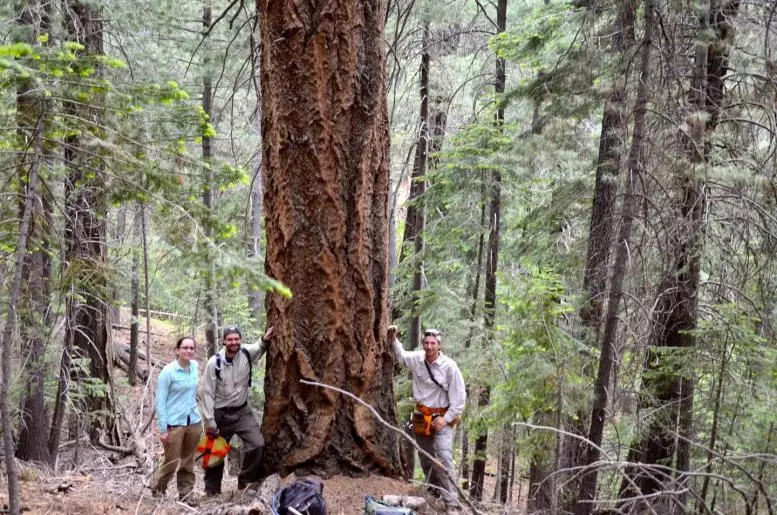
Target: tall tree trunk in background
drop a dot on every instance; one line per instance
(612, 144)
(606, 359)
(492, 256)
(88, 320)
(326, 165)
(33, 309)
(9, 328)
(667, 385)
(211, 310)
(132, 373)
(256, 295)
(118, 238)
(415, 220)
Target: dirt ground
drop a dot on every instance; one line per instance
(103, 487)
(104, 484)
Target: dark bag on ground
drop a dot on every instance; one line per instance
(373, 506)
(306, 496)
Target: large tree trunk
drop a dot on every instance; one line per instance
(325, 154)
(606, 358)
(88, 321)
(36, 269)
(667, 389)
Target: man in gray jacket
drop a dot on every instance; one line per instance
(440, 396)
(224, 405)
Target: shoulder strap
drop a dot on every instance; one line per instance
(431, 376)
(250, 365)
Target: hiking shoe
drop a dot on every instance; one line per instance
(157, 494)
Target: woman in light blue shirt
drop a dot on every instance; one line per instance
(178, 420)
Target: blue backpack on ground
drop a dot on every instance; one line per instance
(304, 496)
(373, 506)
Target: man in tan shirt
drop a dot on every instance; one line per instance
(224, 405)
(440, 396)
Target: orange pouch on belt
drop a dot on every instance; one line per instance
(421, 419)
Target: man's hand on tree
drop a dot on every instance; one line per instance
(268, 335)
(392, 333)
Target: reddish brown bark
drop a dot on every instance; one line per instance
(326, 173)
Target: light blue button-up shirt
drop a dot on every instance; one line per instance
(176, 396)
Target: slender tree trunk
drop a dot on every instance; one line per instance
(506, 457)
(211, 309)
(325, 154)
(472, 316)
(492, 257)
(85, 234)
(33, 310)
(606, 357)
(256, 295)
(612, 143)
(667, 391)
(11, 323)
(132, 373)
(477, 481)
(702, 501)
(415, 221)
(118, 239)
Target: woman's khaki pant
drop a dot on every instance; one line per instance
(179, 456)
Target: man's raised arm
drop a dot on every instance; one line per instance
(400, 354)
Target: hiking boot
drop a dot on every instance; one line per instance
(211, 493)
(157, 494)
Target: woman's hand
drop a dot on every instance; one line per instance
(163, 437)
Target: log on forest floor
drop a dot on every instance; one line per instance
(121, 358)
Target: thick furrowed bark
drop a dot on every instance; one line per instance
(325, 155)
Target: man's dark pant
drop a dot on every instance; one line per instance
(238, 421)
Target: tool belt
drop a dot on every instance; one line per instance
(423, 416)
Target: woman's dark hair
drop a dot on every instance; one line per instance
(182, 338)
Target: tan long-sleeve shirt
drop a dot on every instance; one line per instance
(453, 395)
(232, 389)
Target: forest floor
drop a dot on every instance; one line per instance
(102, 482)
